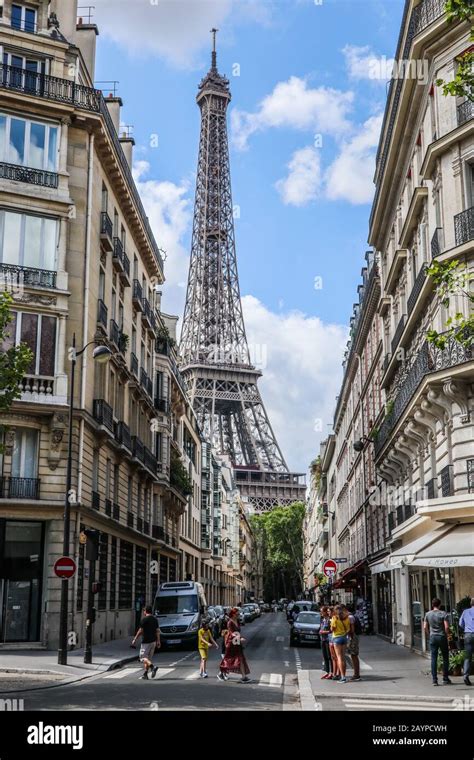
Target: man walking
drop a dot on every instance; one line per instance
(466, 624)
(150, 632)
(437, 627)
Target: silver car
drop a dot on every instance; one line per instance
(305, 629)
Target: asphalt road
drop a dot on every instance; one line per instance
(276, 673)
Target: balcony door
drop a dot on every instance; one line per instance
(24, 468)
(23, 73)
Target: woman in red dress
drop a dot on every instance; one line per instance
(234, 659)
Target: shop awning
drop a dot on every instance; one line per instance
(447, 546)
(380, 567)
(354, 570)
(453, 549)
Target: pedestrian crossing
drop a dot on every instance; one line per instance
(270, 680)
(356, 703)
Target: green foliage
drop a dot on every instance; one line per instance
(280, 531)
(14, 362)
(462, 86)
(462, 605)
(123, 343)
(450, 280)
(179, 477)
(389, 408)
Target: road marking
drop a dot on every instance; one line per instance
(280, 638)
(193, 676)
(297, 659)
(392, 704)
(271, 679)
(123, 673)
(291, 699)
(286, 663)
(305, 689)
(163, 672)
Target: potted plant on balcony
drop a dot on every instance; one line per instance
(123, 342)
(179, 477)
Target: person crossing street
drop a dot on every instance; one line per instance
(149, 630)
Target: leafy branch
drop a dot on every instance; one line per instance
(450, 280)
(462, 85)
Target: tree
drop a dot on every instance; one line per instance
(463, 83)
(14, 361)
(452, 280)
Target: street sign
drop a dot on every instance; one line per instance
(64, 567)
(340, 560)
(329, 568)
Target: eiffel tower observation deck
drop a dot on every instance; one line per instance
(214, 353)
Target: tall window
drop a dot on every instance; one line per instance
(105, 198)
(25, 453)
(28, 143)
(27, 240)
(38, 331)
(23, 18)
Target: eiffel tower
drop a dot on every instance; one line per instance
(214, 353)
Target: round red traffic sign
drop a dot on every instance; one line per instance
(64, 567)
(330, 568)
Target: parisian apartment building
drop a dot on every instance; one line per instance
(83, 266)
(398, 506)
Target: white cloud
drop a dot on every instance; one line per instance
(350, 176)
(304, 178)
(293, 104)
(363, 63)
(169, 209)
(304, 358)
(175, 30)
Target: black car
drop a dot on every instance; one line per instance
(305, 629)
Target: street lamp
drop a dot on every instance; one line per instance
(360, 444)
(101, 354)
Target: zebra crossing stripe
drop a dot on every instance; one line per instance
(123, 673)
(392, 704)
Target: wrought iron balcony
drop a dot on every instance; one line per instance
(106, 231)
(137, 295)
(115, 333)
(102, 312)
(138, 449)
(146, 527)
(447, 485)
(430, 359)
(122, 435)
(28, 174)
(391, 522)
(95, 500)
(161, 404)
(386, 362)
(140, 524)
(116, 512)
(146, 314)
(134, 364)
(416, 290)
(18, 276)
(432, 488)
(19, 488)
(103, 414)
(465, 112)
(117, 255)
(162, 346)
(437, 243)
(464, 226)
(398, 333)
(158, 532)
(108, 507)
(124, 275)
(149, 460)
(36, 384)
(130, 519)
(146, 382)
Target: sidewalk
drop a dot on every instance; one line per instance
(389, 671)
(107, 656)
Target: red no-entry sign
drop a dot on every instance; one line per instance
(64, 567)
(329, 568)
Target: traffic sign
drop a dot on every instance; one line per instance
(65, 567)
(329, 568)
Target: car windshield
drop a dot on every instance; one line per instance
(176, 605)
(309, 617)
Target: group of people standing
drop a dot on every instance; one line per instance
(339, 631)
(233, 659)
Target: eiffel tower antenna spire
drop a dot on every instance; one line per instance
(214, 353)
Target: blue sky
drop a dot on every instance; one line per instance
(303, 127)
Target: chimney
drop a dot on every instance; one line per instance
(66, 11)
(86, 38)
(114, 104)
(127, 145)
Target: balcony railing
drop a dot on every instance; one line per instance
(28, 174)
(19, 488)
(146, 315)
(122, 435)
(416, 290)
(137, 295)
(108, 508)
(464, 226)
(398, 333)
(146, 527)
(465, 112)
(125, 274)
(149, 460)
(430, 359)
(117, 255)
(95, 500)
(18, 276)
(103, 414)
(158, 532)
(146, 382)
(432, 488)
(36, 384)
(130, 521)
(140, 524)
(447, 485)
(437, 244)
(114, 333)
(134, 364)
(391, 522)
(162, 346)
(102, 312)
(138, 449)
(116, 512)
(161, 405)
(106, 230)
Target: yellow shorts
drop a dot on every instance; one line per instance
(204, 654)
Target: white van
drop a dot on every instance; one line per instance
(180, 607)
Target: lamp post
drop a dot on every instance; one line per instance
(101, 354)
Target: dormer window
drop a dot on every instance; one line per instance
(23, 18)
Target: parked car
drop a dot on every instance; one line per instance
(305, 629)
(219, 609)
(257, 609)
(214, 624)
(267, 607)
(251, 610)
(249, 613)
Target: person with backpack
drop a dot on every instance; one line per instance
(353, 644)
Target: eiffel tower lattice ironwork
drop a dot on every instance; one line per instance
(214, 353)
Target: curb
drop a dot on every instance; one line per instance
(377, 697)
